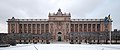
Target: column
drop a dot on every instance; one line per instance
(74, 27)
(87, 27)
(49, 27)
(91, 27)
(82, 27)
(36, 28)
(78, 27)
(22, 28)
(40, 28)
(96, 27)
(31, 28)
(27, 28)
(103, 27)
(44, 28)
(69, 27)
(14, 27)
(100, 27)
(65, 28)
(17, 28)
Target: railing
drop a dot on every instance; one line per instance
(65, 14)
(48, 19)
(27, 19)
(87, 19)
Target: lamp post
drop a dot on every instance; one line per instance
(108, 21)
(110, 29)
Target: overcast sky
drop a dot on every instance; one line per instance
(39, 9)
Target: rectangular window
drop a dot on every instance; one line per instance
(80, 27)
(85, 27)
(42, 28)
(98, 27)
(93, 29)
(20, 28)
(12, 28)
(38, 28)
(72, 27)
(25, 28)
(76, 27)
(33, 28)
(89, 27)
(29, 28)
(47, 28)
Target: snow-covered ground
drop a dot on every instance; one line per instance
(62, 47)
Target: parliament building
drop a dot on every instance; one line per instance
(60, 26)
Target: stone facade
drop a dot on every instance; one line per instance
(59, 25)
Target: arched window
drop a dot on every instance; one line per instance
(59, 33)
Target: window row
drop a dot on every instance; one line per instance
(85, 27)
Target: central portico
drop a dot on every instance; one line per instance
(59, 24)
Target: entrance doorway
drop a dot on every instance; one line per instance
(59, 36)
